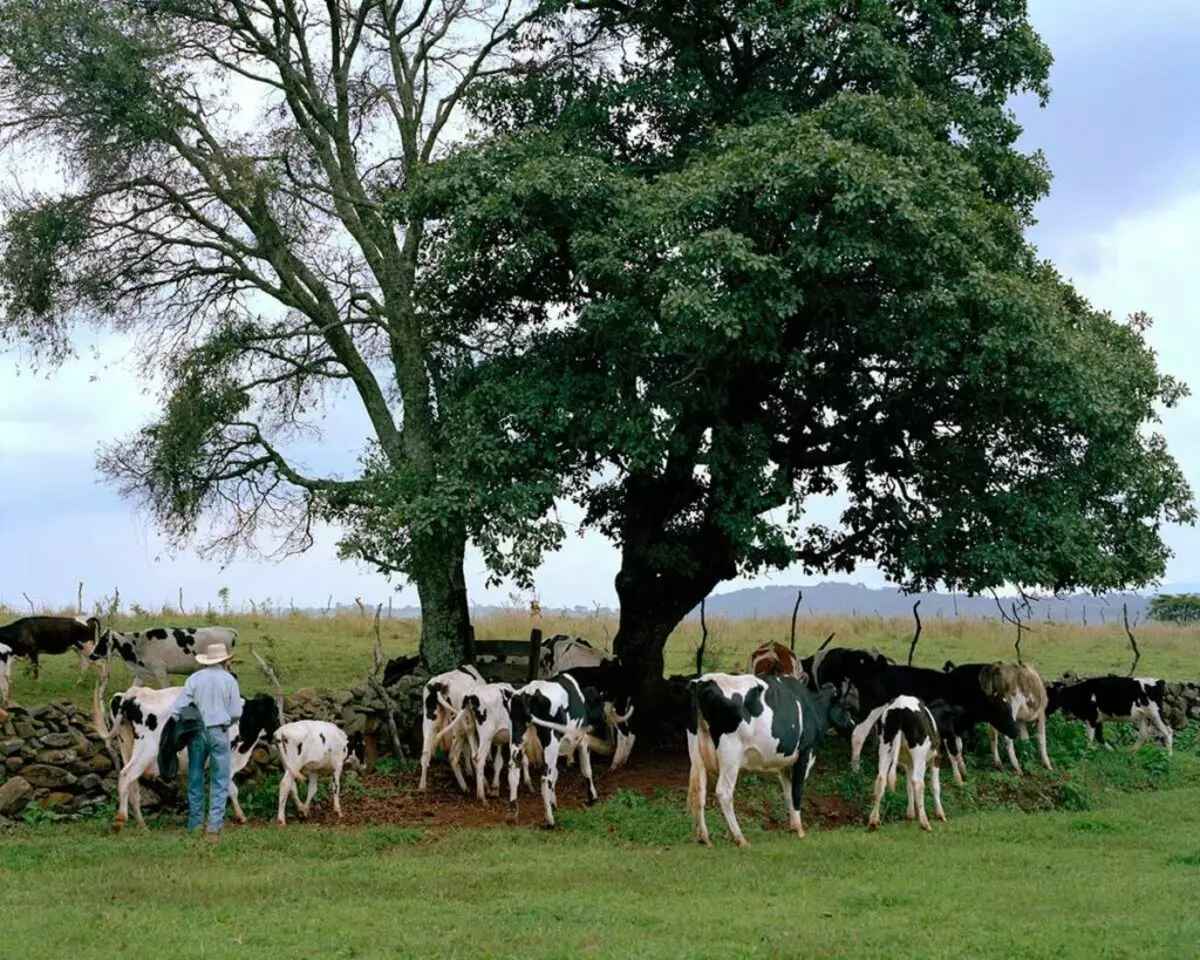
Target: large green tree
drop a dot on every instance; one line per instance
(777, 251)
(224, 165)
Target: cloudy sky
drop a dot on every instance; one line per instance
(1121, 133)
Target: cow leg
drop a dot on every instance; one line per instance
(935, 782)
(785, 781)
(1041, 740)
(233, 801)
(125, 784)
(727, 776)
(1100, 736)
(497, 766)
(286, 785)
(549, 776)
(885, 766)
(697, 789)
(37, 667)
(337, 789)
(312, 792)
(83, 662)
(804, 763)
(1011, 745)
(516, 755)
(480, 773)
(994, 743)
(457, 749)
(427, 734)
(135, 796)
(585, 767)
(916, 783)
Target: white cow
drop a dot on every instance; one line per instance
(138, 716)
(442, 700)
(306, 748)
(159, 651)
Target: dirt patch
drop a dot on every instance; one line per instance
(394, 799)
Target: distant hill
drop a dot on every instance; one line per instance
(831, 598)
(854, 599)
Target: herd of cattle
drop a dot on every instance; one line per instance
(773, 717)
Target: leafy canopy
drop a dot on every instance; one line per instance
(778, 252)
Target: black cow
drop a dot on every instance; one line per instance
(742, 722)
(1097, 699)
(32, 636)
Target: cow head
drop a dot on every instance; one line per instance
(356, 752)
(260, 718)
(830, 702)
(111, 642)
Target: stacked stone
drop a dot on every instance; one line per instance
(52, 758)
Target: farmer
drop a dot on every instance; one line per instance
(214, 693)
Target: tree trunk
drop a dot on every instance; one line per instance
(442, 589)
(653, 603)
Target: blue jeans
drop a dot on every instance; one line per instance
(211, 745)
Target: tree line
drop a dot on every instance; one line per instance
(688, 264)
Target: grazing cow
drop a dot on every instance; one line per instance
(6, 659)
(774, 660)
(879, 685)
(561, 653)
(160, 651)
(1138, 699)
(32, 636)
(1022, 689)
(443, 700)
(906, 726)
(399, 667)
(139, 714)
(309, 747)
(549, 718)
(739, 722)
(610, 683)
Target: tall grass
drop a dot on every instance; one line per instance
(314, 651)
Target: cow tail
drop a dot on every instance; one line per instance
(98, 714)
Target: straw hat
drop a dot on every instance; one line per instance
(215, 654)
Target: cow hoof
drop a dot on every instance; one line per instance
(241, 818)
(704, 841)
(142, 828)
(942, 817)
(799, 833)
(592, 801)
(927, 828)
(872, 825)
(741, 842)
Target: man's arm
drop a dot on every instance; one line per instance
(186, 697)
(235, 699)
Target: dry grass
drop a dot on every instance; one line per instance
(334, 651)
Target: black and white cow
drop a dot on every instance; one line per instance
(561, 653)
(309, 747)
(486, 713)
(551, 718)
(841, 667)
(1022, 689)
(1138, 699)
(442, 700)
(138, 716)
(741, 722)
(159, 651)
(906, 726)
(610, 683)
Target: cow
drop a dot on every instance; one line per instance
(1094, 700)
(840, 666)
(32, 636)
(561, 653)
(138, 716)
(309, 747)
(877, 686)
(906, 726)
(549, 718)
(1022, 689)
(486, 713)
(774, 659)
(159, 651)
(442, 700)
(6, 658)
(610, 683)
(740, 722)
(399, 667)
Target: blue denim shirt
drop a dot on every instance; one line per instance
(215, 693)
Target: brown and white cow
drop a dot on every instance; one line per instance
(1022, 689)
(774, 660)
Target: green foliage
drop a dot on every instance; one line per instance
(780, 286)
(1175, 608)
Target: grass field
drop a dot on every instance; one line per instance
(1108, 868)
(1115, 882)
(333, 652)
